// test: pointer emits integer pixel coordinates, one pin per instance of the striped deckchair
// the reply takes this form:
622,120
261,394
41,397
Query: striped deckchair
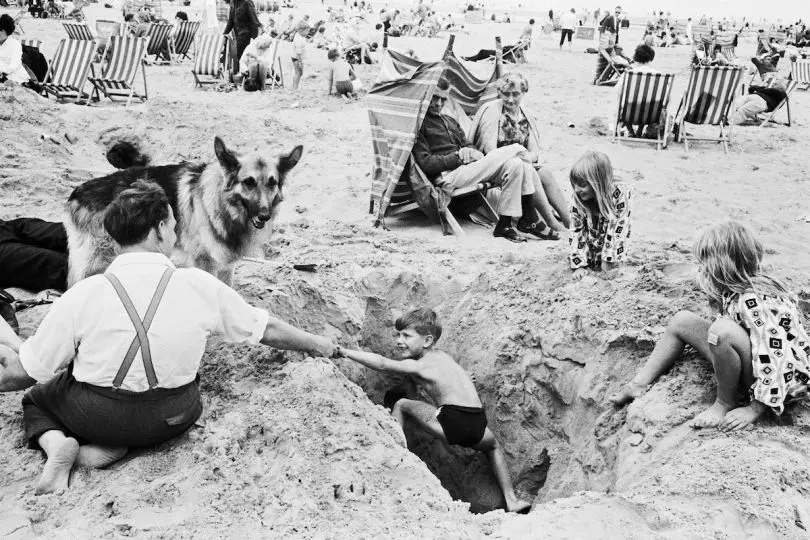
800,72
725,43
208,67
158,35
117,80
78,31
768,118
397,104
607,72
67,74
643,101
31,42
184,38
707,101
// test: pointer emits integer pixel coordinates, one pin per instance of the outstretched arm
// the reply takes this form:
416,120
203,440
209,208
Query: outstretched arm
283,336
380,363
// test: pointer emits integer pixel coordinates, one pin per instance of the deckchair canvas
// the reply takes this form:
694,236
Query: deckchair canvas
707,101
67,74
768,118
158,35
800,72
643,100
78,31
208,66
184,37
117,81
397,105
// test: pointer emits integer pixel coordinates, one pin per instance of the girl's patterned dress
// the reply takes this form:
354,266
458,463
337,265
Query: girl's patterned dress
780,349
595,239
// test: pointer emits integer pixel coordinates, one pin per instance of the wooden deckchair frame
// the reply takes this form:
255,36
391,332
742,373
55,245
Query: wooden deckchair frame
99,83
75,93
272,75
661,139
155,47
603,79
798,75
768,118
198,82
185,27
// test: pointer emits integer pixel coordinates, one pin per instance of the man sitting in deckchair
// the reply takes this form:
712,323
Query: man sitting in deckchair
451,162
760,99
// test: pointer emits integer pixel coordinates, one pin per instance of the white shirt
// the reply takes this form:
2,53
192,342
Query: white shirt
89,325
252,54
11,61
568,21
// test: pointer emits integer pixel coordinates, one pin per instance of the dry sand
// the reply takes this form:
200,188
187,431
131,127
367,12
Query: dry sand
292,448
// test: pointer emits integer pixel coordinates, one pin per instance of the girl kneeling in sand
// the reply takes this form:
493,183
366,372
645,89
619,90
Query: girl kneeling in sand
600,217
757,340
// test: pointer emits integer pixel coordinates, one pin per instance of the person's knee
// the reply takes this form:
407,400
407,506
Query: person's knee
514,166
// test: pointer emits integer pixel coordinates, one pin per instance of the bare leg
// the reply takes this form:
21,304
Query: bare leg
541,203
61,452
98,457
685,328
731,356
555,196
497,460
421,413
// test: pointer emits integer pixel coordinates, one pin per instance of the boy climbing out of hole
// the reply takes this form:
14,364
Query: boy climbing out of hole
460,419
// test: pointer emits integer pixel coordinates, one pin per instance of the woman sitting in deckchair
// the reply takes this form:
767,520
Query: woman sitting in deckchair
504,122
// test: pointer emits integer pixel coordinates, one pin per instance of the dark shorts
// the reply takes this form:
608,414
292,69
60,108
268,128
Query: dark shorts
109,417
464,426
344,87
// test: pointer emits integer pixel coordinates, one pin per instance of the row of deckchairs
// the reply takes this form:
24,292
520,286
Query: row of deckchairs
157,35
644,99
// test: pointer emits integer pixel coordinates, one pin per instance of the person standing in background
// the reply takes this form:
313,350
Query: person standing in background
568,21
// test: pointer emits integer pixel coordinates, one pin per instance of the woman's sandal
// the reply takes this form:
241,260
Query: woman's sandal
545,234
509,233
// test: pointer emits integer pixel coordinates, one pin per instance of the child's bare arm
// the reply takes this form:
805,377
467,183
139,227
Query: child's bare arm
380,363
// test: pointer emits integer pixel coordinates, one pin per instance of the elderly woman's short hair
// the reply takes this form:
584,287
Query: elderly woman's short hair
513,80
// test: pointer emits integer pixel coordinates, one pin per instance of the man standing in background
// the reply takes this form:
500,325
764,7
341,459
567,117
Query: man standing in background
568,22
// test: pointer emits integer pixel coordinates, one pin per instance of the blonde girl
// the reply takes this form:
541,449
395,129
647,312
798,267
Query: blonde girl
600,217
758,340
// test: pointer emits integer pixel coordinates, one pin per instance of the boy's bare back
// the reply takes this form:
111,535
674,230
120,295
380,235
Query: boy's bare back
445,380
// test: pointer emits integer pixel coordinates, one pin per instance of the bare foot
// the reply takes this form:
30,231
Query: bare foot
519,507
628,393
98,457
57,469
742,417
711,417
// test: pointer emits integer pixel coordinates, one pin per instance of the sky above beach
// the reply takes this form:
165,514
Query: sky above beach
751,9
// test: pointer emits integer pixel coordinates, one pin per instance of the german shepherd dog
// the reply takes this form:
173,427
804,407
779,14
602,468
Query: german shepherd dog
219,207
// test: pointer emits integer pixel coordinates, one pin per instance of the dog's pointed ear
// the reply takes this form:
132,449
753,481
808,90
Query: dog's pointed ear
226,158
286,163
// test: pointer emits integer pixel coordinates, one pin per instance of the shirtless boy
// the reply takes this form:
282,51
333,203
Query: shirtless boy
460,419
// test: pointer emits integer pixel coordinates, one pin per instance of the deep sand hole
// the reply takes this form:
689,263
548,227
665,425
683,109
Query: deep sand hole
541,378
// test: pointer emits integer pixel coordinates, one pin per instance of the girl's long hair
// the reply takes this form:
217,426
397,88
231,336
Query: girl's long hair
595,169
730,259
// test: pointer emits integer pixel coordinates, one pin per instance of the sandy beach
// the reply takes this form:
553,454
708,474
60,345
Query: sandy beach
290,447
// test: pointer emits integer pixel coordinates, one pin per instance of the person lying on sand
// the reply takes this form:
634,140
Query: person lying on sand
33,254
117,355
757,342
460,419
600,216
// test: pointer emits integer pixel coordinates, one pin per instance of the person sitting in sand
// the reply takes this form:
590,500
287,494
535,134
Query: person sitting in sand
342,77
460,419
33,254
600,216
757,342
503,122
11,64
760,99
108,377
450,162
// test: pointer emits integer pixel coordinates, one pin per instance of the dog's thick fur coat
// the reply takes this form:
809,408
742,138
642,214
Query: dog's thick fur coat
219,207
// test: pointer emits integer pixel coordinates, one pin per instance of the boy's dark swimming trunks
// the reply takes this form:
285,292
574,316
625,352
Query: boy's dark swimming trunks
464,426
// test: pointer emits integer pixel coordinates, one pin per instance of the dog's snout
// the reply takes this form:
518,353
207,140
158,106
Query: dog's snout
264,216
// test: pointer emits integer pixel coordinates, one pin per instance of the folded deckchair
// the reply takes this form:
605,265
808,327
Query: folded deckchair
208,66
158,35
67,73
707,101
276,75
768,118
643,100
800,72
118,76
78,31
30,42
184,37
607,72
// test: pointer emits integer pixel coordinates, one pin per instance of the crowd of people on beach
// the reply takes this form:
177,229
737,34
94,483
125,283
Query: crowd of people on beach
105,379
